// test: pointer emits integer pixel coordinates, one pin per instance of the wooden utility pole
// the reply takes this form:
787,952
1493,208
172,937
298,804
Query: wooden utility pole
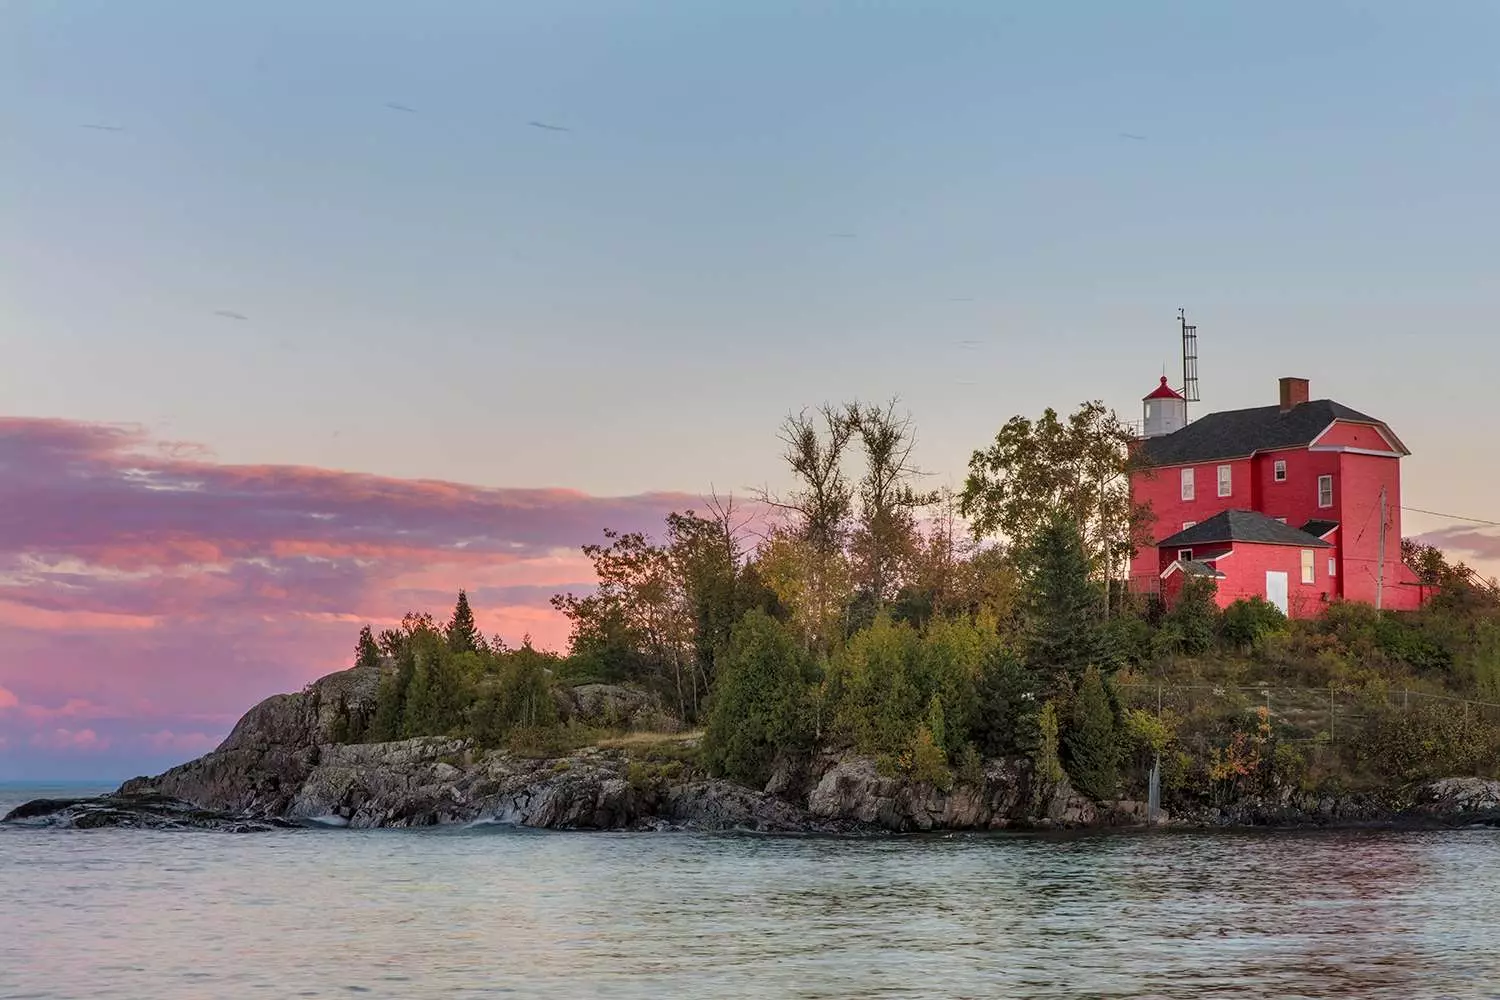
1380,563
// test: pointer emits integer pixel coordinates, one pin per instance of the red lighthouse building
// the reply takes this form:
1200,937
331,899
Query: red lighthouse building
1297,502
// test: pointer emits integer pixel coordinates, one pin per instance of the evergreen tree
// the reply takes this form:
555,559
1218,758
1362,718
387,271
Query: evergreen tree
1092,745
438,695
1063,610
366,651
518,697
760,705
1006,720
391,695
463,635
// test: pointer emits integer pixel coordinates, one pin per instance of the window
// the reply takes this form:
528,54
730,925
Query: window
1185,555
1333,567
1225,483
1280,471
1307,565
1187,484
1325,491
1188,524
1150,410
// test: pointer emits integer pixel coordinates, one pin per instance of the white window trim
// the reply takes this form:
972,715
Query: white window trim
1189,484
1333,566
1282,520
1309,566
1188,524
1321,481
1226,480
1186,555
1278,471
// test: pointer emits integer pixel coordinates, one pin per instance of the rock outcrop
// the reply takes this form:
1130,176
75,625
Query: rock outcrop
280,766
146,811
851,789
427,782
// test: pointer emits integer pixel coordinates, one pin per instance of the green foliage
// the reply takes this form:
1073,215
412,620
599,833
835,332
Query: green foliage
1035,472
1127,639
391,696
366,652
439,692
1063,609
647,776
1045,756
462,634
1006,719
1148,734
878,701
925,761
950,659
935,725
1193,621
970,767
1246,623
1432,741
760,706
1091,741
516,696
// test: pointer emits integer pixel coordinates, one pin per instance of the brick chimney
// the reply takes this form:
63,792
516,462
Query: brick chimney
1293,393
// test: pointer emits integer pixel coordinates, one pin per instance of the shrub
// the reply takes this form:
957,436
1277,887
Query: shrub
1127,640
1246,622
970,768
878,700
1045,757
1194,618
1431,741
925,760
1147,734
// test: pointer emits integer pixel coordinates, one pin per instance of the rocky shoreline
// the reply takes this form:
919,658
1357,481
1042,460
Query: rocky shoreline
278,769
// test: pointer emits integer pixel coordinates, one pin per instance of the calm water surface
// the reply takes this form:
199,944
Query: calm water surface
494,912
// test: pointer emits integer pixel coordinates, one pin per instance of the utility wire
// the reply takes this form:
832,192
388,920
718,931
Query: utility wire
1453,517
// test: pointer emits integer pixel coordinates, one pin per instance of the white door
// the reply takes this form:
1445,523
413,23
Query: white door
1276,589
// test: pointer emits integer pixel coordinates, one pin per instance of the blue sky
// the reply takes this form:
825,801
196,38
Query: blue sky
756,207
633,304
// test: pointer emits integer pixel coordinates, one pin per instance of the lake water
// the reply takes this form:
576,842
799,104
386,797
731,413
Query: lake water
495,912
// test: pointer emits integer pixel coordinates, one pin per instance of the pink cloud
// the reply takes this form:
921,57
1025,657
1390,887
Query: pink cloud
85,740
186,743
145,589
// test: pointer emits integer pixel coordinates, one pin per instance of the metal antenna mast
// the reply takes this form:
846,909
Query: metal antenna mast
1189,358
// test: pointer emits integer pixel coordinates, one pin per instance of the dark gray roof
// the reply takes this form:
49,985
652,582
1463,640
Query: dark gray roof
1197,567
1237,433
1319,527
1242,526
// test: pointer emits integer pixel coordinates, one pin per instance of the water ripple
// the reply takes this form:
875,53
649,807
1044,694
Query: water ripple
486,913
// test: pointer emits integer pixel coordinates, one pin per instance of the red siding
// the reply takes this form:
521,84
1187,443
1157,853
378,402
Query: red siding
1162,489
1346,435
1245,569
1358,486
1356,479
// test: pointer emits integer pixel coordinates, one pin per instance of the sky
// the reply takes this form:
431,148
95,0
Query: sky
320,327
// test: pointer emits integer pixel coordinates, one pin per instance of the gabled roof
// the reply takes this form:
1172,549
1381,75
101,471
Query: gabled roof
1242,526
1319,527
1238,433
1192,567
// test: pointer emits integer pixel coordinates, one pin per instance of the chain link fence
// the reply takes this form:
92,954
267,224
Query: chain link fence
1296,714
